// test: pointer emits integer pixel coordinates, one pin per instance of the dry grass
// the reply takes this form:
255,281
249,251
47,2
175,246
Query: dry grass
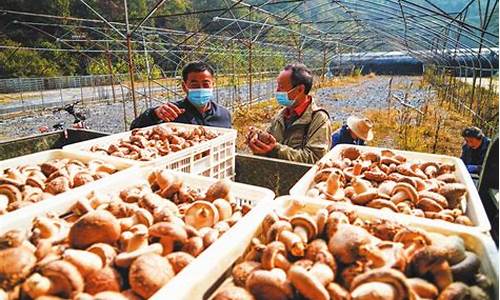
465,98
335,125
435,127
8,98
223,81
258,115
4,137
437,131
343,81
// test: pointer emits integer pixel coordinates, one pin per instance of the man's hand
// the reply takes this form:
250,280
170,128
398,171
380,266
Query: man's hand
168,112
251,132
259,147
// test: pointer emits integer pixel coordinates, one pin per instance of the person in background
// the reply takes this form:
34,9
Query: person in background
474,149
197,108
300,132
357,131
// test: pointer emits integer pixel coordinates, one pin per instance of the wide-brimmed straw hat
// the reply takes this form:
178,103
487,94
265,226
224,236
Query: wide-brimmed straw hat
362,127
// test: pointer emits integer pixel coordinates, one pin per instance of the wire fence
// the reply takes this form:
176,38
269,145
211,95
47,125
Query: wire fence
16,85
27,95
475,96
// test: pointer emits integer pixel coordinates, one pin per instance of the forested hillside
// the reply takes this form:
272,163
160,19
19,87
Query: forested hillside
29,43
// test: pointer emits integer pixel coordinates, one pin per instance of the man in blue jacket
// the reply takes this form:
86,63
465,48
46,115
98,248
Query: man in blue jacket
357,131
197,108
474,149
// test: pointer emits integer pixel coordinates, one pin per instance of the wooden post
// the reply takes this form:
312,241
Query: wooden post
148,101
110,69
131,72
250,66
323,69
124,110
250,75
436,135
233,94
389,95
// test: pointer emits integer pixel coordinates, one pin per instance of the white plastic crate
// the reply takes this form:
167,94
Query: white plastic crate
214,158
235,245
258,197
41,157
474,207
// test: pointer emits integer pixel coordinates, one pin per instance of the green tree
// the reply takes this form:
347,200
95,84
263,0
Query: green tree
66,62
99,66
24,63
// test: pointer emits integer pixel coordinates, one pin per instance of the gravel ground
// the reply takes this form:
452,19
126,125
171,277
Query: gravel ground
340,102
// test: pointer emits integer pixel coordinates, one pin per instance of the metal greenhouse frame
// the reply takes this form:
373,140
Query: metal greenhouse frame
452,45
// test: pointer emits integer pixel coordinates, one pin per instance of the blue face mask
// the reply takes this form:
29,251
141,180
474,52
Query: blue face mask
200,97
282,98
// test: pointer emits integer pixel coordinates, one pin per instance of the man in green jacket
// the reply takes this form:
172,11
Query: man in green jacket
301,131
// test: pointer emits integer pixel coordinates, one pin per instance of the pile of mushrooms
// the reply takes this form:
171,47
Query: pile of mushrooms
391,182
124,245
330,253
152,143
28,184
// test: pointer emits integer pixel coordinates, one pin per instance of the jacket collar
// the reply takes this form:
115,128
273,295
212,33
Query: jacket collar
484,143
190,106
298,110
344,129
